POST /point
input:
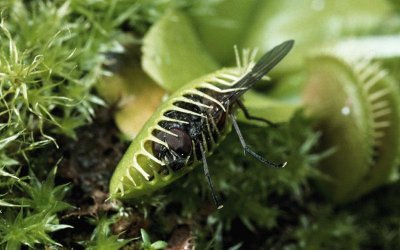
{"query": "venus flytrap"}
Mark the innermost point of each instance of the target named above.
(180, 57)
(293, 181)
(52, 54)
(360, 121)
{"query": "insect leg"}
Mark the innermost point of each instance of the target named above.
(207, 174)
(247, 149)
(250, 117)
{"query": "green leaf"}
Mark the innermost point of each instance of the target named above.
(28, 229)
(345, 111)
(224, 27)
(4, 142)
(45, 196)
(136, 95)
(145, 236)
(159, 244)
(265, 107)
(102, 237)
(4, 173)
(172, 52)
(6, 204)
(276, 21)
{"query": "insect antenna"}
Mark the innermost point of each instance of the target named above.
(207, 174)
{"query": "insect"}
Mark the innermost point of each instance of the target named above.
(188, 127)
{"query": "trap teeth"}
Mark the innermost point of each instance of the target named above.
(366, 137)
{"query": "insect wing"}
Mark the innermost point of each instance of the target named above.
(263, 66)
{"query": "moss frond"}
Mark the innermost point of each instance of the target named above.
(37, 217)
(102, 237)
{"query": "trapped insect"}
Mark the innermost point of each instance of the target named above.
(187, 128)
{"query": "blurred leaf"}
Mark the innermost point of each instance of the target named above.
(224, 27)
(7, 204)
(172, 52)
(357, 107)
(265, 107)
(4, 142)
(136, 109)
(147, 245)
(277, 21)
(134, 94)
(159, 244)
(6, 174)
(145, 236)
(377, 47)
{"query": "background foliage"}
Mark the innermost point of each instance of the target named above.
(63, 81)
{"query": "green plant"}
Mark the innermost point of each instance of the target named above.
(37, 217)
(102, 237)
(156, 157)
(360, 121)
(148, 245)
(53, 54)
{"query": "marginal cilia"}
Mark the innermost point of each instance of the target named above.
(188, 127)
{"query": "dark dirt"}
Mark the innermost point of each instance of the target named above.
(87, 164)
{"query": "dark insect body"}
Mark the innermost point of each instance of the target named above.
(189, 126)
